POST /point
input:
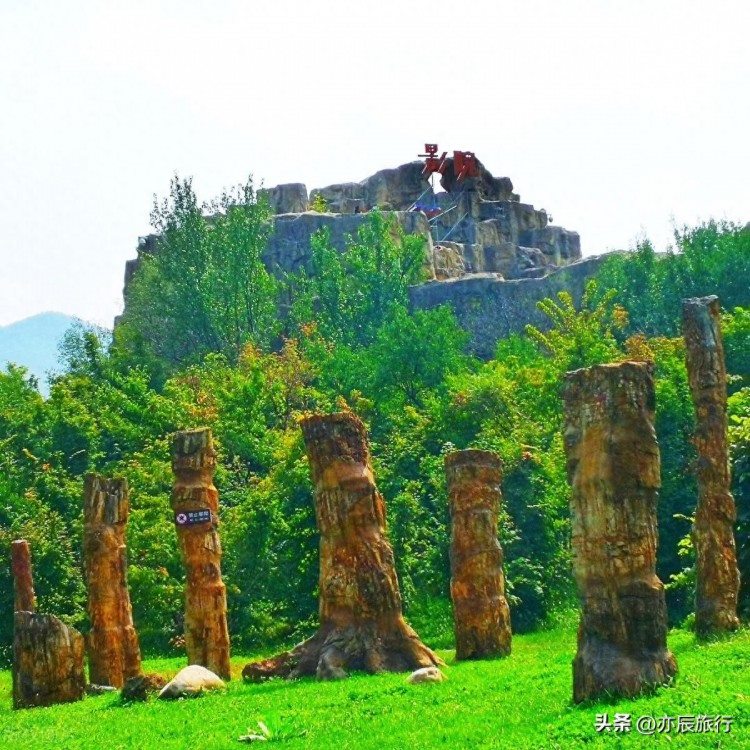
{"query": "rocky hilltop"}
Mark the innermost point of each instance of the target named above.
(489, 255)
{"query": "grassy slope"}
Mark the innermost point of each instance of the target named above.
(521, 702)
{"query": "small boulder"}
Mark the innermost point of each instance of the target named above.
(189, 682)
(426, 674)
(139, 688)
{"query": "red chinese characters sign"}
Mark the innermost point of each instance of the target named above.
(433, 163)
(464, 163)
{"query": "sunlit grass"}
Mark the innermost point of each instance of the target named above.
(520, 702)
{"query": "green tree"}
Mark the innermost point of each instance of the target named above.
(206, 288)
(349, 294)
(580, 338)
(713, 258)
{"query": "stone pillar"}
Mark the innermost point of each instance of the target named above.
(47, 654)
(195, 502)
(47, 661)
(361, 624)
(480, 610)
(613, 469)
(114, 654)
(23, 581)
(718, 579)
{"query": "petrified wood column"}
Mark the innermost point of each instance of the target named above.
(23, 581)
(613, 469)
(361, 625)
(195, 502)
(718, 578)
(480, 610)
(47, 654)
(47, 661)
(114, 654)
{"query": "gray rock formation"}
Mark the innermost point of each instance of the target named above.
(289, 247)
(390, 189)
(287, 199)
(489, 255)
(491, 308)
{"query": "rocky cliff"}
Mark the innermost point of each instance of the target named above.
(491, 308)
(490, 256)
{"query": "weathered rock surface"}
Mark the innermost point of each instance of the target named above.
(47, 661)
(289, 247)
(24, 599)
(490, 308)
(613, 469)
(480, 610)
(361, 624)
(717, 576)
(191, 682)
(114, 653)
(287, 199)
(426, 675)
(195, 502)
(141, 687)
(389, 189)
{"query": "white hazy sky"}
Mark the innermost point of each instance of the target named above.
(620, 118)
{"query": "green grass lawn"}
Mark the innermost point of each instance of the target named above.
(519, 702)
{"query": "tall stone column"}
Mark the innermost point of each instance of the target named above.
(613, 469)
(361, 624)
(23, 581)
(47, 654)
(718, 579)
(195, 502)
(114, 653)
(480, 609)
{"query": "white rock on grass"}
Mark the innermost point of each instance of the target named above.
(189, 682)
(426, 674)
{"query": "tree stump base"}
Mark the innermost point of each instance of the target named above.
(47, 661)
(361, 625)
(333, 651)
(601, 667)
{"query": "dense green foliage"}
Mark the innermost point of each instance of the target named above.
(207, 289)
(710, 259)
(201, 346)
(522, 702)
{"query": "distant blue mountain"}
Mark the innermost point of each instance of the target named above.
(33, 343)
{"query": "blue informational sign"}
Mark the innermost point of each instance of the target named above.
(192, 517)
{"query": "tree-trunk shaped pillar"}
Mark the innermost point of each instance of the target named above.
(47, 661)
(114, 654)
(195, 502)
(613, 469)
(480, 610)
(361, 623)
(718, 578)
(23, 580)
(47, 654)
